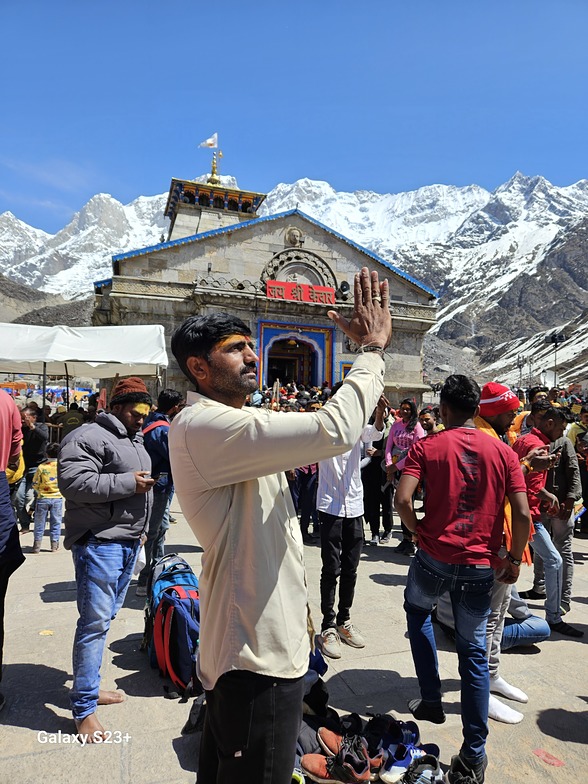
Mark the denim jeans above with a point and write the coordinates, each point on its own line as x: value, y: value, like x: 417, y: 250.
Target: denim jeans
x: 23, y: 497
x: 553, y: 566
x: 103, y: 573
x: 158, y: 528
x: 341, y: 545
x: 470, y: 591
x: 51, y: 508
x: 562, y: 536
x: 250, y: 729
x: 526, y: 631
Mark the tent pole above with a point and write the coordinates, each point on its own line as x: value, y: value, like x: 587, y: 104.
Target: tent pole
x: 66, y: 386
x: 44, y: 388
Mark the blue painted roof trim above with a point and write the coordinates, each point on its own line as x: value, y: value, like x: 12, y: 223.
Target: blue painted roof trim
x: 267, y: 219
x: 100, y: 283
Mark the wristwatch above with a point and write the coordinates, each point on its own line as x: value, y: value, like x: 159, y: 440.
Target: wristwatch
x: 515, y: 561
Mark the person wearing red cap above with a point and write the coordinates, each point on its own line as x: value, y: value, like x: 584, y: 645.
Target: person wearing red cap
x: 104, y: 476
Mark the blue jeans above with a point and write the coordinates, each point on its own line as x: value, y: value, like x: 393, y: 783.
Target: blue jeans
x: 158, y: 528
x: 103, y: 573
x: 51, y: 508
x: 23, y: 497
x: 553, y: 566
x: 562, y: 536
x: 470, y: 591
x: 526, y: 631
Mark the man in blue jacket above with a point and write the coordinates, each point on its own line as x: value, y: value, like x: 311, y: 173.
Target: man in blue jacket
x: 104, y: 474
x: 155, y: 436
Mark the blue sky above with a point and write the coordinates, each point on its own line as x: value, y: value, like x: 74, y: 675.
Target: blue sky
x: 382, y: 95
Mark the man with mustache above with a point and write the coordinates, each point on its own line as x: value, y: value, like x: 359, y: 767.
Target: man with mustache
x: 228, y: 463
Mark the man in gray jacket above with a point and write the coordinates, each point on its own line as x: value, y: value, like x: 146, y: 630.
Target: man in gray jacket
x: 104, y: 476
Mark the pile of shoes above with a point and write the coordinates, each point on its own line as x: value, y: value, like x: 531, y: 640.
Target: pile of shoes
x: 384, y: 750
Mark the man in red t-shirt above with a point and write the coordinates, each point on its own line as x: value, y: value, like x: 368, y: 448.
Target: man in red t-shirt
x: 468, y: 476
x: 550, y: 424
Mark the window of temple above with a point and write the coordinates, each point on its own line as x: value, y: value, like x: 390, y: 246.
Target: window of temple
x: 218, y: 202
x: 234, y: 205
x: 204, y: 200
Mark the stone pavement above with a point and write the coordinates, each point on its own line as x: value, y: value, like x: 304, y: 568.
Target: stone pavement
x: 41, y: 615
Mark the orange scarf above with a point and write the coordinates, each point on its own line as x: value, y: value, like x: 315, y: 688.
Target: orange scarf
x: 487, y: 428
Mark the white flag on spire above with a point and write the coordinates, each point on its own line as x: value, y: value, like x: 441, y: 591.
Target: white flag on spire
x: 212, y: 142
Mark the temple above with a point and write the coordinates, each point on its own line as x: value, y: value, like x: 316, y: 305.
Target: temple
x: 280, y: 273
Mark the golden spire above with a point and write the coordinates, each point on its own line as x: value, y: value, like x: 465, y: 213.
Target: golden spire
x: 214, y: 179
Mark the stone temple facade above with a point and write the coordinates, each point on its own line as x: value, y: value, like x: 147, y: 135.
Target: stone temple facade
x: 279, y: 273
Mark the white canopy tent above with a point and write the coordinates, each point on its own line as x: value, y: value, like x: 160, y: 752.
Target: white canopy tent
x: 95, y: 352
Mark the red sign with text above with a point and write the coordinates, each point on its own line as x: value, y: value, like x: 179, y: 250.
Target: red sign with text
x: 300, y: 292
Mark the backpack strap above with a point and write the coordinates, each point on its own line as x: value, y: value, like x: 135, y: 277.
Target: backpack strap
x: 158, y: 636
x: 152, y: 425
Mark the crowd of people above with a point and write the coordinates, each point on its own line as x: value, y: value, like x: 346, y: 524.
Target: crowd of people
x: 255, y: 485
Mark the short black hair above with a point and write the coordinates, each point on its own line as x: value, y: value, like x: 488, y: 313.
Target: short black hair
x: 198, y: 335
x: 52, y: 450
x: 73, y: 406
x: 168, y: 398
x: 427, y: 410
x: 584, y: 409
x: 540, y: 405
x: 461, y: 394
x: 335, y: 389
x: 558, y: 412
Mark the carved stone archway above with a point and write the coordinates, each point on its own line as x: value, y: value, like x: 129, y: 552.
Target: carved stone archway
x: 299, y: 266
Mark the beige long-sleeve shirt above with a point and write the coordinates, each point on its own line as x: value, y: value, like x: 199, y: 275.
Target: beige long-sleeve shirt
x: 228, y: 466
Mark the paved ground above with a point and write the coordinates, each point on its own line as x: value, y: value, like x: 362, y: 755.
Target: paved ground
x: 41, y: 615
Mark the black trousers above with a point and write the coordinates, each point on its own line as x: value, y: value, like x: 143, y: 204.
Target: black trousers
x: 250, y: 730
x: 307, y: 484
x: 376, y: 503
x: 341, y: 545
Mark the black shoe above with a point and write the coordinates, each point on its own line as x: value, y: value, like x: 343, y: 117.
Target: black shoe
x: 401, y: 548
x: 564, y: 628
x: 410, y: 548
x: 426, y: 711
x: 461, y: 771
x: 531, y: 594
x: 564, y: 607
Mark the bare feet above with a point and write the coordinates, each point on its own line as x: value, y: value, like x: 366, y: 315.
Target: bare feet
x: 90, y: 730
x: 110, y: 697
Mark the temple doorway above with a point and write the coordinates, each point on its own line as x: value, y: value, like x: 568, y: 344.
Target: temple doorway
x: 292, y: 359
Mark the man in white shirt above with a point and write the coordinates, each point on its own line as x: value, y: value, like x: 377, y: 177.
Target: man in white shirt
x: 228, y: 464
x: 340, y: 504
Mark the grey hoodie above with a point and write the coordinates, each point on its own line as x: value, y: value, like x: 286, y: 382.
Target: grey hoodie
x: 95, y: 472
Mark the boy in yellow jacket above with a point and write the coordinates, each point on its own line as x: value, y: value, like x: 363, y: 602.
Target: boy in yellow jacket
x: 49, y: 500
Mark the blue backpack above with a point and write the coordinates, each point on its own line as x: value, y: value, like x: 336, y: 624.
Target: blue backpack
x: 172, y: 623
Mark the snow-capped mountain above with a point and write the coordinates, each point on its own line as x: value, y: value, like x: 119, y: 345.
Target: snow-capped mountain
x: 506, y: 263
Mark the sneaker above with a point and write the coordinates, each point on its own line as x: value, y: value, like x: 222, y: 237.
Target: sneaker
x: 330, y: 643
x: 349, y: 765
x: 298, y: 776
x: 54, y: 547
x: 464, y: 772
x: 564, y: 628
x: 141, y: 590
x: 426, y: 711
x: 36, y: 546
x: 409, y: 548
x: 398, y: 763
x: 350, y: 635
x: 332, y: 743
x: 532, y: 594
x: 401, y: 547
x: 374, y: 540
x: 424, y: 770
x: 386, y: 538
x: 564, y: 607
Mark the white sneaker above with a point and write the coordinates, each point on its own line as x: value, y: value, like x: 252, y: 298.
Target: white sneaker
x: 350, y: 635
x: 331, y: 643
x: 374, y: 540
